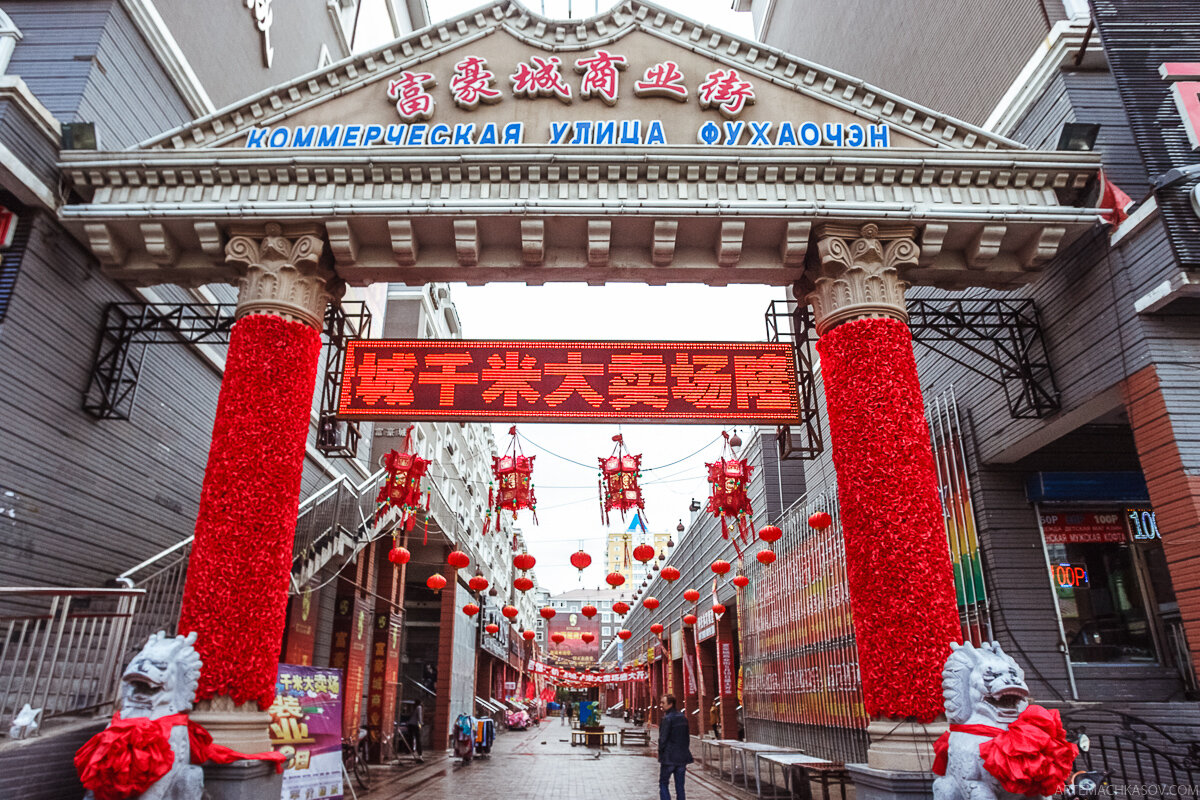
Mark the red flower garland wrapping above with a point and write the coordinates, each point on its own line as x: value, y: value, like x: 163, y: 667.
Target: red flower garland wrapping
x: 1033, y: 757
x: 236, y: 592
x: 897, y: 561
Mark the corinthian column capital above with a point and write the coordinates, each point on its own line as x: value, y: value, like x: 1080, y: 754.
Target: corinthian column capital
x: 858, y: 272
x: 284, y: 273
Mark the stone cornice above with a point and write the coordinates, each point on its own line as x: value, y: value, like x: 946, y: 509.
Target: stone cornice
x: 12, y: 88
x: 860, y: 98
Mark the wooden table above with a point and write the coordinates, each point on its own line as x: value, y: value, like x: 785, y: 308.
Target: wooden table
x: 599, y: 738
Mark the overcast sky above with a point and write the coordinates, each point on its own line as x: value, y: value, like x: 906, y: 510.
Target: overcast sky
x: 567, y: 493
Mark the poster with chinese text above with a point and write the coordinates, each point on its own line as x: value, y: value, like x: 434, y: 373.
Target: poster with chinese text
x: 306, y: 725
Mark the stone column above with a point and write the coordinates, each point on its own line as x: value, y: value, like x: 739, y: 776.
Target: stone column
x: 898, y: 564
x: 237, y: 583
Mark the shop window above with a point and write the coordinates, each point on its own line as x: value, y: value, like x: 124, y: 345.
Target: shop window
x: 1107, y: 592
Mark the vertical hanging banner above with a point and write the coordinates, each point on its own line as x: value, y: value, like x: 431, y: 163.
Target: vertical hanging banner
x: 306, y: 725
x: 352, y: 621
x: 725, y: 667
x: 481, y: 381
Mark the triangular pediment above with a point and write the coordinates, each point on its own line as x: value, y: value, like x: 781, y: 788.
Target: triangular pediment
x: 794, y: 101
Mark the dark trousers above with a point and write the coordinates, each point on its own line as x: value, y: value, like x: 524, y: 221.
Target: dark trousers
x: 665, y: 771
x: 413, y: 734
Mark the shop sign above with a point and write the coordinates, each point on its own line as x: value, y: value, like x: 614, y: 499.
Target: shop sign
x: 306, y: 725
x: 676, y: 644
x: 573, y: 651
x: 263, y: 15
x: 301, y: 628
x: 1185, y: 89
x: 8, y: 227
x: 1069, y: 576
x: 1143, y: 524
x: 706, y: 625
x: 1083, y: 527
x: 725, y: 667
x: 429, y: 379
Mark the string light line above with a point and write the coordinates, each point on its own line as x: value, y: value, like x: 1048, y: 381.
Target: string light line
x: 547, y: 451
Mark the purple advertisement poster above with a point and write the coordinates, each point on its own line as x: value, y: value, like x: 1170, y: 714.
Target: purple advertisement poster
x: 306, y: 724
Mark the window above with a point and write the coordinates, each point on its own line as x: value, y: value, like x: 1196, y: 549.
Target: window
x: 606, y: 631
x: 606, y: 617
x: 1102, y: 569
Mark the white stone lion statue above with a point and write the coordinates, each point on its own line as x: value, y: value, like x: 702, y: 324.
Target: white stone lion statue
x: 161, y: 681
x: 982, y: 686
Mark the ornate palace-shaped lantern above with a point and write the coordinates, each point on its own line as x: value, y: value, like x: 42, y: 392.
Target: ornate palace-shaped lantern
x: 513, y: 486
x: 402, y: 485
x: 729, y: 500
x: 619, y: 489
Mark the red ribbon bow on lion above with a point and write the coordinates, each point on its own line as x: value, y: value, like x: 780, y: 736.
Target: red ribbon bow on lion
x: 1032, y: 757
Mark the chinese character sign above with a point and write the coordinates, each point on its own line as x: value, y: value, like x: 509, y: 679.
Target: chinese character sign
x: 306, y: 724
x: 573, y: 650
x: 427, y: 379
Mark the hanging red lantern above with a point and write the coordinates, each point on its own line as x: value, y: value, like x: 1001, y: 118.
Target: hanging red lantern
x: 820, y: 520
x: 492, y: 628
x: 718, y: 610
x: 624, y: 634
x: 615, y: 579
x: 510, y: 612
x: 588, y: 611
x: 620, y: 607
x: 529, y: 636
x: 399, y: 555
x: 651, y: 603
x: 513, y: 489
x: 478, y: 583
x: 721, y: 567
x: 557, y: 638
x: 524, y: 561
x: 547, y: 613
x: 656, y: 628
x: 470, y: 609
x: 670, y: 574
x: 587, y: 638
x: 580, y: 561
x: 401, y: 487
x: 689, y: 619
x: 458, y: 559
x: 619, y: 487
x: 435, y: 582
x: 766, y: 557
x: 522, y: 584
x: 729, y: 499
x: 769, y: 533
x: 643, y: 553
x: 741, y: 581
x: 691, y: 595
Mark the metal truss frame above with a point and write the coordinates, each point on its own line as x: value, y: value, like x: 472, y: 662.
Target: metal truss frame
x: 786, y: 318
x: 129, y: 328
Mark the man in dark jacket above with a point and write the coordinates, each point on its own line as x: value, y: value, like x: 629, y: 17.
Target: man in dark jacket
x: 674, y: 749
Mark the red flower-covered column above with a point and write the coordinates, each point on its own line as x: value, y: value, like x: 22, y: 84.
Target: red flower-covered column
x: 237, y: 582
x: 898, y: 563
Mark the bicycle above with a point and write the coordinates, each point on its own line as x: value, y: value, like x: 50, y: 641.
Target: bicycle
x: 354, y: 759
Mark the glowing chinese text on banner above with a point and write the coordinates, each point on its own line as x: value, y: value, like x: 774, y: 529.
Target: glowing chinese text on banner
x: 572, y: 651
x: 724, y: 382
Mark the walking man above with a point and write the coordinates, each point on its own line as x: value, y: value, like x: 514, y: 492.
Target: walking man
x: 674, y: 749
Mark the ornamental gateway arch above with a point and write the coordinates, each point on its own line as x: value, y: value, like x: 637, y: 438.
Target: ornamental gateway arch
x: 633, y: 146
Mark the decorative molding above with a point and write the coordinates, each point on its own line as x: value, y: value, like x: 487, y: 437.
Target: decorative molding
x: 933, y: 236
x: 1042, y: 246
x: 662, y: 249
x: 343, y: 243
x: 154, y: 30
x: 15, y: 90
x: 599, y: 241
x: 159, y: 243
x: 466, y: 242
x: 105, y: 244
x: 533, y: 241
x: 1063, y: 42
x: 281, y: 274
x: 729, y: 243
x: 212, y: 240
x: 404, y: 242
x: 985, y: 246
x: 859, y: 273
x: 794, y: 246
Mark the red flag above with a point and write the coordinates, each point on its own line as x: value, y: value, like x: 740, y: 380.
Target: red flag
x: 1113, y: 201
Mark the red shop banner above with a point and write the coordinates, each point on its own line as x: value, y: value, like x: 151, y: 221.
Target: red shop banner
x: 1083, y: 527
x: 432, y: 379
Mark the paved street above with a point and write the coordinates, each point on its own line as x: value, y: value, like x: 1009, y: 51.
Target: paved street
x: 537, y: 764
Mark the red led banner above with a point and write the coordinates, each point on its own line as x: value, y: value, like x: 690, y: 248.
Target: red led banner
x: 431, y: 379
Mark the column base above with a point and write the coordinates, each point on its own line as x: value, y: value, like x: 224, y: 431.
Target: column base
x: 242, y: 780
x: 903, y: 746
x: 871, y: 783
x: 241, y: 727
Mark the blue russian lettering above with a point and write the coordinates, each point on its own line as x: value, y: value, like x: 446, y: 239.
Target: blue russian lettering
x: 439, y: 134
x: 559, y: 131
x: 255, y: 138
x: 303, y: 135
x: 583, y: 132
x: 416, y: 134
x: 759, y: 132
x: 733, y: 131
x: 278, y: 137
x: 350, y: 137
x: 880, y: 136
x: 654, y: 134
x: 463, y: 133
x: 489, y: 134
x: 785, y: 134
x: 514, y: 133
x: 834, y: 134
x: 855, y: 136
x: 810, y: 134
x: 395, y: 134
x: 327, y: 136
x: 606, y: 132
x: 372, y: 134
x: 709, y: 133
x: 631, y: 131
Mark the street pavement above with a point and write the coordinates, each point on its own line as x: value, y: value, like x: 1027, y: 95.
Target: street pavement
x: 538, y: 764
